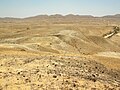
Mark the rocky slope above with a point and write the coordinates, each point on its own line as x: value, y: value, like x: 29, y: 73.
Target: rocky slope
x: 53, y: 53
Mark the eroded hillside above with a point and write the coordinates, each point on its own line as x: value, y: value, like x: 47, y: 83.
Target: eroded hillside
x: 56, y: 53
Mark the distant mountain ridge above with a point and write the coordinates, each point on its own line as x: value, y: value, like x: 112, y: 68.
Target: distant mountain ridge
x: 112, y: 16
x: 62, y: 16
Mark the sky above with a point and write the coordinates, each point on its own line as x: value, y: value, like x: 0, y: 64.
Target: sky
x: 26, y: 8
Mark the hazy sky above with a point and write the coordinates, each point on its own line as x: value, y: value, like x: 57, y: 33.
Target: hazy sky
x: 25, y: 8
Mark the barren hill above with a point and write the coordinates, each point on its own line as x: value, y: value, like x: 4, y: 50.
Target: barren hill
x: 58, y: 52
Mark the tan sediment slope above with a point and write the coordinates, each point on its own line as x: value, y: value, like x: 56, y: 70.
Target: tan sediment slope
x: 53, y: 53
